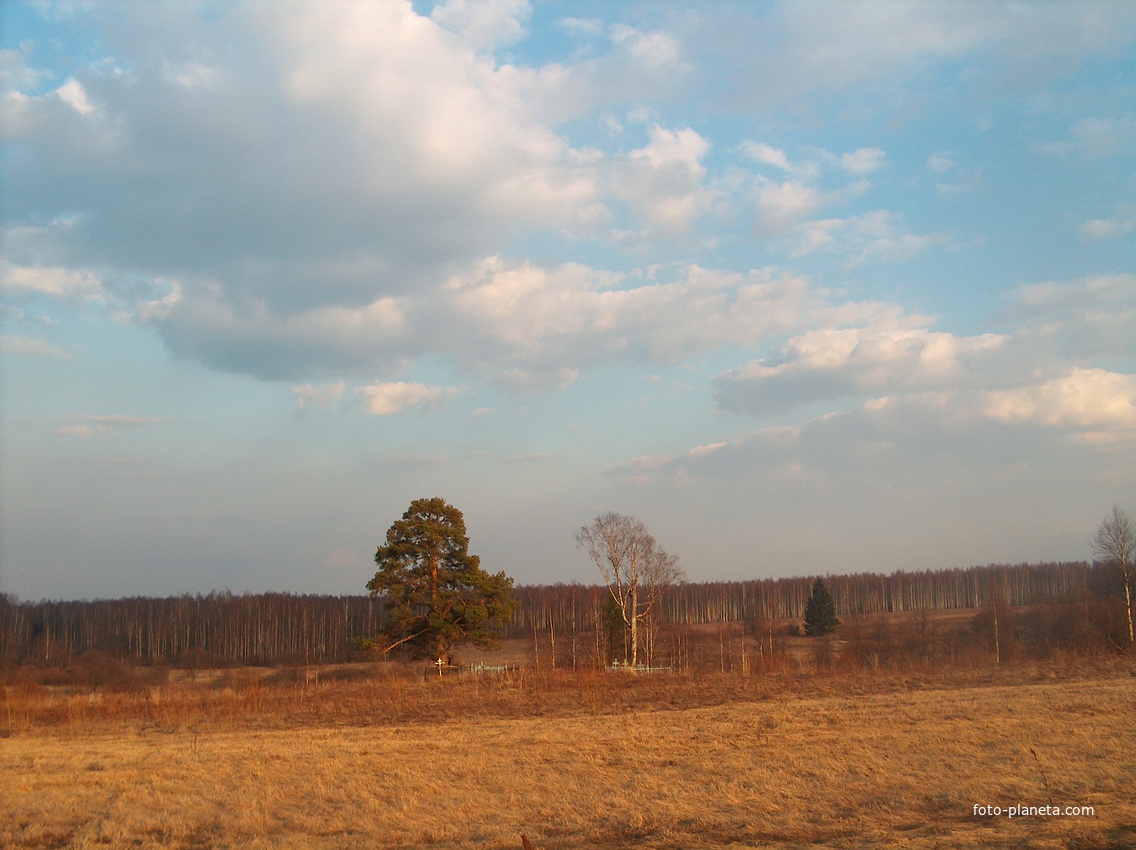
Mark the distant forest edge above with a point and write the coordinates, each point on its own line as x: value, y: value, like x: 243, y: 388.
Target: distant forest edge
x: 280, y: 628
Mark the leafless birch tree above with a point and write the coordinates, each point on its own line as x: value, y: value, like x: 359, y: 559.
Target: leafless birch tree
x: 1115, y: 543
x: 634, y: 567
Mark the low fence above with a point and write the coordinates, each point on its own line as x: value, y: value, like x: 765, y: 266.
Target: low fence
x: 438, y: 671
x: 616, y: 667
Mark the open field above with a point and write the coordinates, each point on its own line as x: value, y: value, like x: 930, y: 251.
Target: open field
x: 577, y: 761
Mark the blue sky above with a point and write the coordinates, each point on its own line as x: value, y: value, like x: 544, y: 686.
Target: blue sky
x: 806, y: 287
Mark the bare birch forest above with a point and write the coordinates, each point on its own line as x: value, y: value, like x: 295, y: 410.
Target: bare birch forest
x: 1043, y: 606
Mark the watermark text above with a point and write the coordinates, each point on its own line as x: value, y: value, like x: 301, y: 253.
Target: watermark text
x: 1024, y: 811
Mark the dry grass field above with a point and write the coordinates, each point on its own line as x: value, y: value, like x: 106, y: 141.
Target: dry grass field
x: 575, y: 761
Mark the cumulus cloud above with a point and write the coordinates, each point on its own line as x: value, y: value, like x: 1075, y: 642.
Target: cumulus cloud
x: 780, y: 205
x: 388, y: 399
x: 786, y: 207
x: 354, y: 145
x: 837, y: 362
x: 1100, y: 229
x: 293, y: 209
x: 526, y: 324
x: 330, y: 201
x: 573, y: 315
x: 484, y: 24
x: 74, y: 95
x: 656, y: 48
x: 664, y: 179
x: 252, y: 337
x: 1081, y: 398
x: 908, y: 446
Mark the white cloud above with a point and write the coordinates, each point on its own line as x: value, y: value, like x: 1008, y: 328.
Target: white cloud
x: 58, y: 283
x: 766, y: 155
x: 310, y: 215
x: 74, y: 95
x: 360, y: 146
x: 572, y: 315
x: 434, y: 122
x: 166, y: 295
x: 859, y: 161
x: 707, y: 449
x: 862, y: 160
x: 876, y: 236
x: 26, y: 345
x: 310, y: 395
x: 664, y: 180
x: 388, y: 399
x: 656, y: 49
x: 484, y: 24
x: 782, y: 205
x: 1081, y: 398
x: 1100, y: 229
x: 832, y: 363
x: 252, y: 337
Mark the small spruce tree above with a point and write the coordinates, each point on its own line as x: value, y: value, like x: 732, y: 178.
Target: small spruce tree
x: 820, y: 611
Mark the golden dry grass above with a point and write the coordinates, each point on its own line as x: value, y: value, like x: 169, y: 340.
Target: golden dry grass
x: 891, y: 765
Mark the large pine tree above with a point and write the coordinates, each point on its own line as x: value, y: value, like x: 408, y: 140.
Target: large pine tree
x: 436, y: 592
x: 820, y: 611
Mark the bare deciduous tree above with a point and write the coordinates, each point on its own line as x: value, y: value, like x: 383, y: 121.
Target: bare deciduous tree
x: 1115, y: 543
x: 661, y: 571
x: 635, y: 569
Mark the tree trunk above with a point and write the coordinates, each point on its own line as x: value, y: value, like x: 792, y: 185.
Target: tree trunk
x: 552, y: 639
x: 1128, y: 600
x: 997, y: 645
x: 634, y: 624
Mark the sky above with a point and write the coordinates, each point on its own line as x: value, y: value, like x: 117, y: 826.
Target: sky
x: 808, y: 288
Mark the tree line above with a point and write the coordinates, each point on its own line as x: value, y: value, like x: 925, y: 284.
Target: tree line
x: 281, y: 628
x: 698, y: 603
x: 189, y: 631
